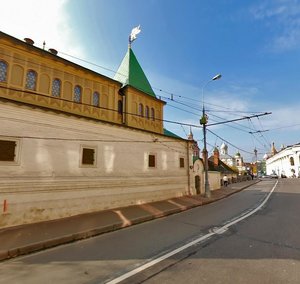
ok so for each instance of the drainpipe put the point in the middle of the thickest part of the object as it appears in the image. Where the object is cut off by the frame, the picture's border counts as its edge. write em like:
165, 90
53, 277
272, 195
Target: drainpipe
124, 109
188, 168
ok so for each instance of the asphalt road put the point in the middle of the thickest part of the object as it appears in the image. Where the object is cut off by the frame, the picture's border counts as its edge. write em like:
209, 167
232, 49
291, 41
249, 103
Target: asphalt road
263, 248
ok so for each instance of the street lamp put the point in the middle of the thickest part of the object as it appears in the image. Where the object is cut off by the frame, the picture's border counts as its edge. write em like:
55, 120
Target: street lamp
203, 122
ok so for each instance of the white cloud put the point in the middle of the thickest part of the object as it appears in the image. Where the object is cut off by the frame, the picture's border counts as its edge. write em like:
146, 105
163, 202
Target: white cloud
282, 16
41, 21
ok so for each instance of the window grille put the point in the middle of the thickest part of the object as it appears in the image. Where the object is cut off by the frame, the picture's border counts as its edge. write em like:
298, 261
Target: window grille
56, 87
3, 71
96, 99
31, 80
77, 94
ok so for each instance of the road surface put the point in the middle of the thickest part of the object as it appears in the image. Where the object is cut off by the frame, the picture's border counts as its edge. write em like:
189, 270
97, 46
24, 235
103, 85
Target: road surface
238, 239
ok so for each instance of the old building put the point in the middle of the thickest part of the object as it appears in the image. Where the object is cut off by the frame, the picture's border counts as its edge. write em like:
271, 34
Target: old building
235, 161
74, 141
221, 169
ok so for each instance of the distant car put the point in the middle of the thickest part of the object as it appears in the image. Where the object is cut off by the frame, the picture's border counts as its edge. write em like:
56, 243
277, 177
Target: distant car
265, 176
283, 176
273, 176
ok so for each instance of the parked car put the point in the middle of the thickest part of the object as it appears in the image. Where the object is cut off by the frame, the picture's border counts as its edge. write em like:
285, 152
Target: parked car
273, 176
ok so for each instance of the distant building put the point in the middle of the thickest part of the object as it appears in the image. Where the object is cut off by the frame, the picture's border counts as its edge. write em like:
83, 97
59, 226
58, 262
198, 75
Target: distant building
234, 162
285, 162
216, 164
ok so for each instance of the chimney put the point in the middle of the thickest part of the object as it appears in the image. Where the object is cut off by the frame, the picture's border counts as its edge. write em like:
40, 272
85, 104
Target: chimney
196, 150
216, 156
29, 40
53, 51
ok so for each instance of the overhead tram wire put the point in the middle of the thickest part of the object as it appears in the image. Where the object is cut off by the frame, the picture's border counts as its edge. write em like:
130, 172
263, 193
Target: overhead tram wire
260, 132
108, 69
108, 109
196, 114
265, 137
199, 101
115, 72
242, 150
246, 131
234, 123
220, 122
164, 120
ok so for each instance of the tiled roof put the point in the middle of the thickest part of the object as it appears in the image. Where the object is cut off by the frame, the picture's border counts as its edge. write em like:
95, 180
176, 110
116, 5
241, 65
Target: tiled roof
221, 167
170, 134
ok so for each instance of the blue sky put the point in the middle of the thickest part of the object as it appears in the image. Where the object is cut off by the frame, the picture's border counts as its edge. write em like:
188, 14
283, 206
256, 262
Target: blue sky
255, 45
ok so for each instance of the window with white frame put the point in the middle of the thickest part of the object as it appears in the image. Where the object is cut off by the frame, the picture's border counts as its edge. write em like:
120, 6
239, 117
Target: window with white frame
152, 161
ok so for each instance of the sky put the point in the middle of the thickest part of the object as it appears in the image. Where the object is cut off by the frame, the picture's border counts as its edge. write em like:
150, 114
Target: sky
254, 45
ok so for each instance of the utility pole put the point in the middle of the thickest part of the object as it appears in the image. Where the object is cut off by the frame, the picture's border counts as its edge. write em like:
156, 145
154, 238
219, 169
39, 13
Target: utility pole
203, 122
255, 162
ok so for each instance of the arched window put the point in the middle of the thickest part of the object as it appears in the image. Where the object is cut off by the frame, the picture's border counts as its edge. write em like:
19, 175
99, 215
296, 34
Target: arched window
3, 71
147, 114
77, 94
56, 87
292, 161
31, 80
96, 99
152, 114
141, 110
120, 107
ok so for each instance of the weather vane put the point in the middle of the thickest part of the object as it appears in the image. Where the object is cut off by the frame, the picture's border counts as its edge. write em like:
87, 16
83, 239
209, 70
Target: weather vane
134, 32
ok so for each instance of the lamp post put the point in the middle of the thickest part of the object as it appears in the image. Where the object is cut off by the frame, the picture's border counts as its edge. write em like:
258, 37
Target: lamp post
203, 122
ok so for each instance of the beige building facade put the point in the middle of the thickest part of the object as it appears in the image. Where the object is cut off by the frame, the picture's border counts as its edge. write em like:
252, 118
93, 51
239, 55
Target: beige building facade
74, 141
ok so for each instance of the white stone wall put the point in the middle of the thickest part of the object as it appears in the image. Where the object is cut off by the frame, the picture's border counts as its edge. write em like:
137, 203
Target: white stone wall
214, 180
280, 162
47, 181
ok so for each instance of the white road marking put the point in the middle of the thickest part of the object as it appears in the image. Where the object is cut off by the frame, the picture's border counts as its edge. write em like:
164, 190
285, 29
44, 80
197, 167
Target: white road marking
213, 231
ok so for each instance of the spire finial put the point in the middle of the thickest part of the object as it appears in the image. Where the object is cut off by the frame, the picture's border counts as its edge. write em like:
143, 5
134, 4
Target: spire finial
134, 32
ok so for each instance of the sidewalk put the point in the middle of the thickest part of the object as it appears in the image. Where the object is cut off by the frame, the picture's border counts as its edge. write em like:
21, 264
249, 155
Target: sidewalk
25, 239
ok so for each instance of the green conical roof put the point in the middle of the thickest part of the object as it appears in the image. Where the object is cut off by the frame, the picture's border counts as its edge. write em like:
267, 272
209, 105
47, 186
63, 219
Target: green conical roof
131, 73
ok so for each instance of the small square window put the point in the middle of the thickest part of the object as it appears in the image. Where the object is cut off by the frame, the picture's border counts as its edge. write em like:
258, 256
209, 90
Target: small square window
7, 150
151, 161
88, 157
181, 162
